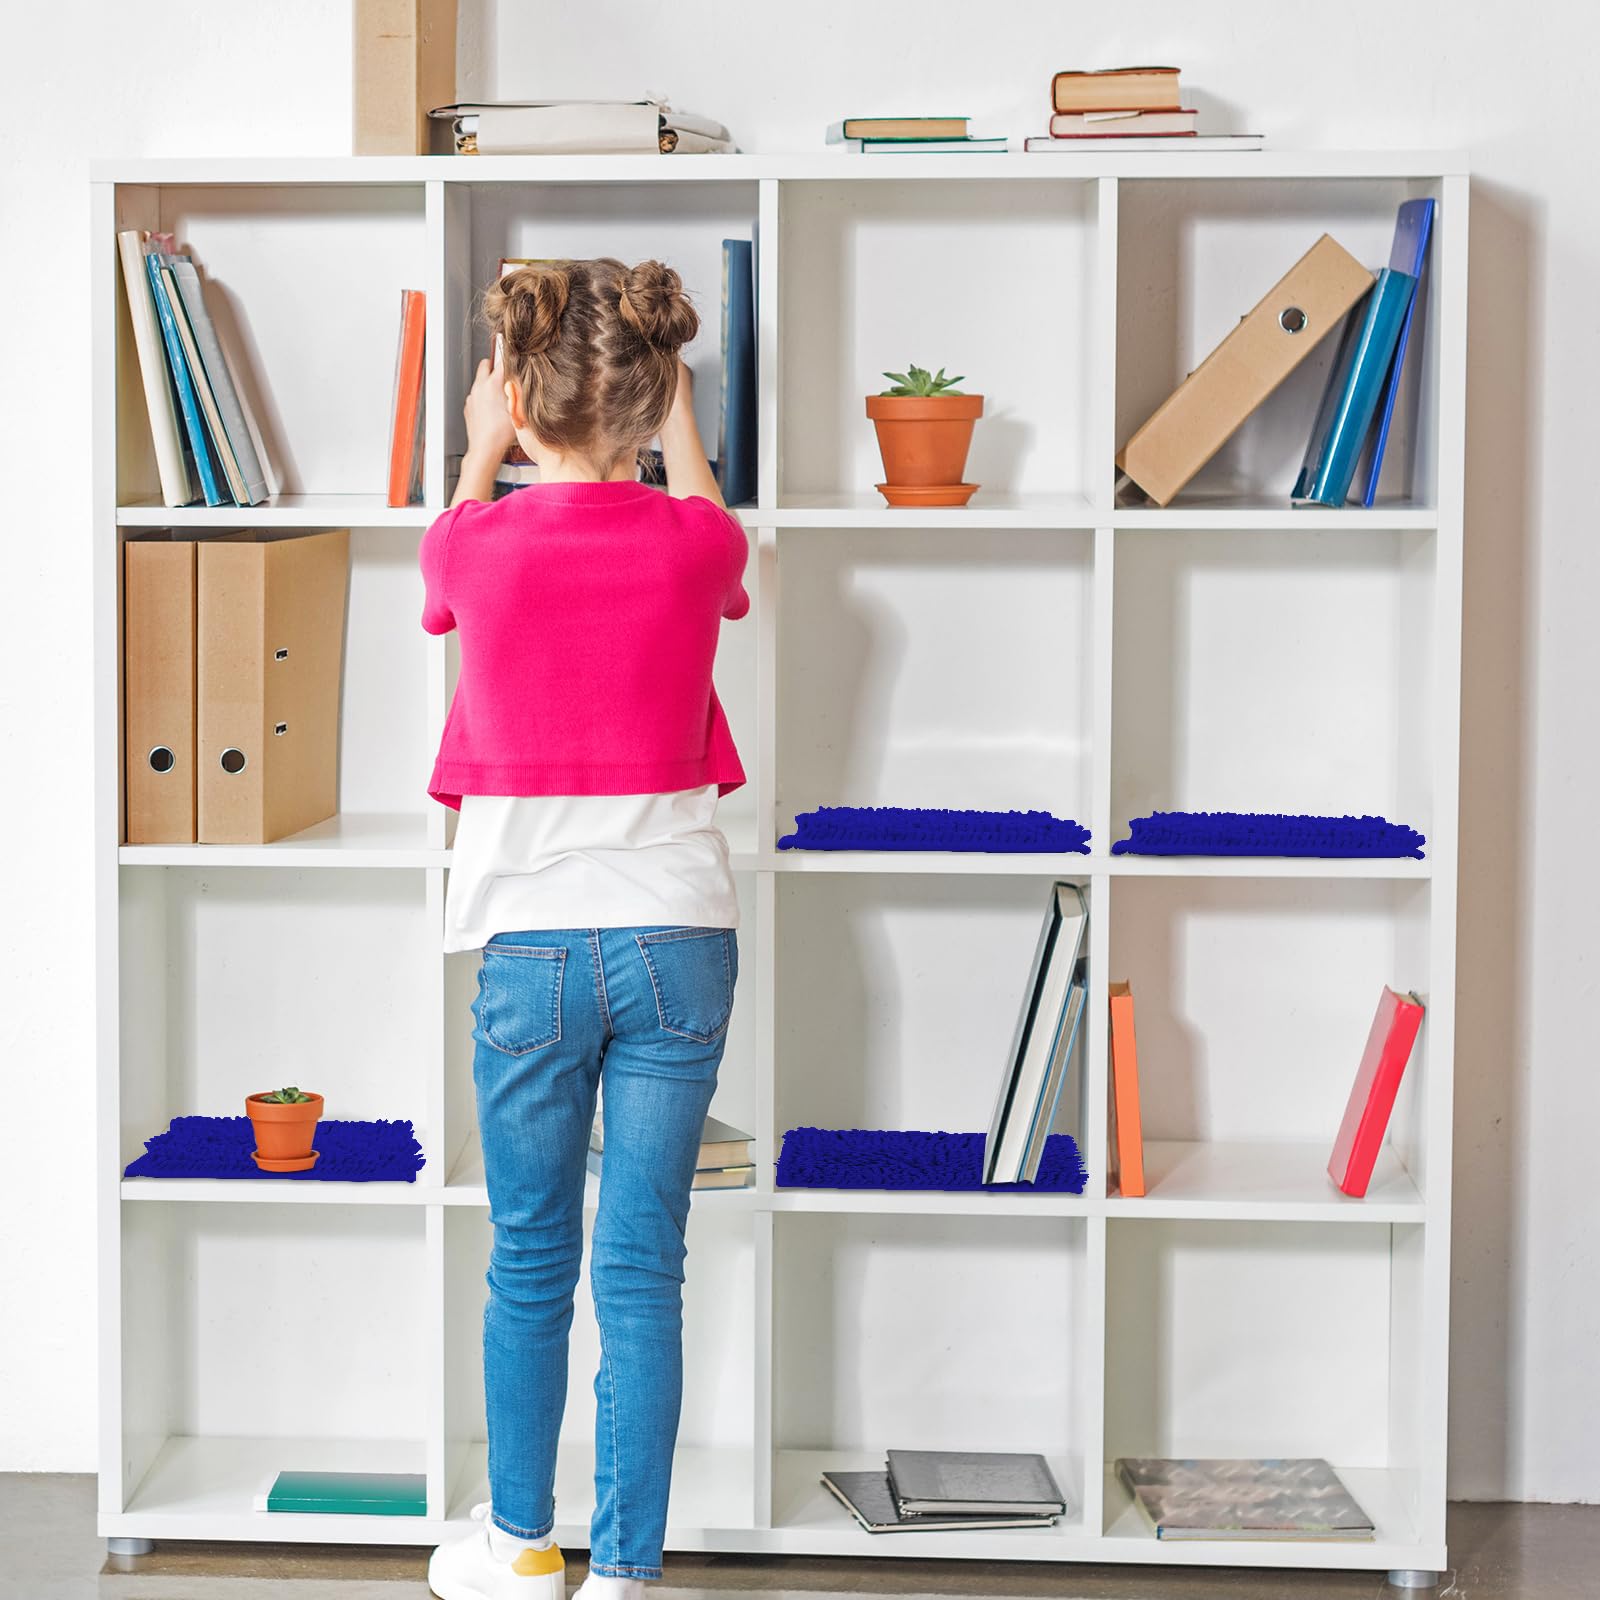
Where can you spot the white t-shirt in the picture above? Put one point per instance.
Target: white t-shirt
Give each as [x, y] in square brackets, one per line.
[587, 861]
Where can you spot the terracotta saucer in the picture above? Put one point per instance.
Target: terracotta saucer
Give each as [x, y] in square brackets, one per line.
[928, 494]
[294, 1164]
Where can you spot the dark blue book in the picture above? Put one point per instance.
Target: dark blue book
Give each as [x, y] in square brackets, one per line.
[1413, 226]
[1355, 387]
[188, 401]
[736, 419]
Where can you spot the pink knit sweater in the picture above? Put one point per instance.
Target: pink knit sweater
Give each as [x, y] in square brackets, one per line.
[588, 615]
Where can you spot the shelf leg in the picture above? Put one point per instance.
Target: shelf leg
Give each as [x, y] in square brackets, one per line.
[129, 1547]
[1412, 1578]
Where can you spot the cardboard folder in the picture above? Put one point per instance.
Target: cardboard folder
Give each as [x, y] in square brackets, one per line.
[268, 665]
[158, 632]
[1294, 316]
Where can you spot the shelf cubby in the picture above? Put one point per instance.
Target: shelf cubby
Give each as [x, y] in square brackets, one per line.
[258, 1339]
[907, 667]
[865, 1359]
[866, 286]
[1274, 672]
[1192, 258]
[1253, 999]
[1268, 1339]
[896, 1000]
[236, 981]
[712, 1487]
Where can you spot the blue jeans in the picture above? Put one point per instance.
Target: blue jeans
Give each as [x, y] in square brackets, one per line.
[646, 1010]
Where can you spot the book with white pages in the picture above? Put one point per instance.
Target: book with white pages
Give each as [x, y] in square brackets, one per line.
[173, 461]
[1041, 1043]
[868, 1497]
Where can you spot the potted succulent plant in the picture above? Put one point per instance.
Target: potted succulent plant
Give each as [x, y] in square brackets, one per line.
[285, 1122]
[924, 428]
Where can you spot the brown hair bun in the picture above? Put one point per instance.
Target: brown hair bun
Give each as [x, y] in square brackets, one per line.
[526, 306]
[651, 301]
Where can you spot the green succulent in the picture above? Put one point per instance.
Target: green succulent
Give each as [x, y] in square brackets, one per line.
[286, 1097]
[920, 382]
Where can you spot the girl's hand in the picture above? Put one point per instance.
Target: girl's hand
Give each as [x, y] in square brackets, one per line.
[490, 430]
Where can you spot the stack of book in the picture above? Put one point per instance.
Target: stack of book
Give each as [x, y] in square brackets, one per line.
[940, 1491]
[579, 128]
[1127, 108]
[206, 440]
[723, 1163]
[901, 136]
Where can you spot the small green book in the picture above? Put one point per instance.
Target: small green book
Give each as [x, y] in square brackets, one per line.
[362, 1494]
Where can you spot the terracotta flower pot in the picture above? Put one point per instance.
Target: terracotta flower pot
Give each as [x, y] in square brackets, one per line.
[924, 441]
[284, 1132]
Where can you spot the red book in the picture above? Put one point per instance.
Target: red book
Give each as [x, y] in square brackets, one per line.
[1366, 1117]
[405, 428]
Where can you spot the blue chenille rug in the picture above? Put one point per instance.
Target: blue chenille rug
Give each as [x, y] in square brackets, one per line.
[1260, 833]
[910, 828]
[879, 1158]
[219, 1147]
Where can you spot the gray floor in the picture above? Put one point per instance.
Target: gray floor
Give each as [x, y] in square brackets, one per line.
[48, 1551]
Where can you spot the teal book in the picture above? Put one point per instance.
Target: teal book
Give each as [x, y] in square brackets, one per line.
[1355, 388]
[188, 401]
[361, 1494]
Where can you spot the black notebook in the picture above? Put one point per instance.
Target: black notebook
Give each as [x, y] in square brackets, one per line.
[867, 1497]
[992, 1482]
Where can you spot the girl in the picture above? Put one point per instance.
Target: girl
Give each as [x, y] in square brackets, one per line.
[585, 750]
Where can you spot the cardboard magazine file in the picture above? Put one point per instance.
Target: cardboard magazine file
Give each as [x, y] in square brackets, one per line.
[268, 664]
[158, 718]
[1294, 316]
[404, 58]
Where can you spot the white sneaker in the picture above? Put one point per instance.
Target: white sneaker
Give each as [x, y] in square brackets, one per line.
[468, 1569]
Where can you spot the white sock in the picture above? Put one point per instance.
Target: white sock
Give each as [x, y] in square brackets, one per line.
[597, 1586]
[508, 1546]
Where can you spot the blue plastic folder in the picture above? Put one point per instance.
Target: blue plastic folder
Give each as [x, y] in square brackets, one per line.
[1413, 226]
[1355, 387]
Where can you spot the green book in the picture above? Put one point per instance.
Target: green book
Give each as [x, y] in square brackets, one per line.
[362, 1494]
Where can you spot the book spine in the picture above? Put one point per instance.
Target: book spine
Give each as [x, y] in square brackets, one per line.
[193, 422]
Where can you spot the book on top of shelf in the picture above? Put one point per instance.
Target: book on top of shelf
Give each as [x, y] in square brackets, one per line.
[1106, 124]
[868, 1497]
[928, 147]
[367, 1494]
[580, 127]
[721, 1144]
[897, 128]
[1116, 89]
[1128, 144]
[1372, 1096]
[935, 1482]
[1296, 1500]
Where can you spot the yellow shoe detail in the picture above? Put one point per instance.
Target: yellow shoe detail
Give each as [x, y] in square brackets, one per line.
[536, 1563]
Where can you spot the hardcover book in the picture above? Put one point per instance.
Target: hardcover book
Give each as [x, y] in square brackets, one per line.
[868, 1498]
[366, 1494]
[1366, 1115]
[1127, 1134]
[1266, 1499]
[1041, 1045]
[997, 1482]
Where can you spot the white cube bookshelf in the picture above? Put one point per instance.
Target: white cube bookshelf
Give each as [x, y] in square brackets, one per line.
[1045, 646]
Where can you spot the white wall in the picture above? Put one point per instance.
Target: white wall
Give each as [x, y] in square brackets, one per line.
[1511, 85]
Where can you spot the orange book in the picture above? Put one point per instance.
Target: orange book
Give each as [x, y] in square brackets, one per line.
[1127, 1137]
[405, 429]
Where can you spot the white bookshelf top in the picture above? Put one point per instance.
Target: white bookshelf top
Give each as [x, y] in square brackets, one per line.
[823, 164]
[281, 511]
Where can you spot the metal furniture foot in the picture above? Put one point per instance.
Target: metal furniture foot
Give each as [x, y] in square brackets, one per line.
[1412, 1578]
[129, 1547]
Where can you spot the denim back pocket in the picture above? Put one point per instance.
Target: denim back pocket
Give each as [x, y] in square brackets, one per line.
[692, 971]
[519, 997]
